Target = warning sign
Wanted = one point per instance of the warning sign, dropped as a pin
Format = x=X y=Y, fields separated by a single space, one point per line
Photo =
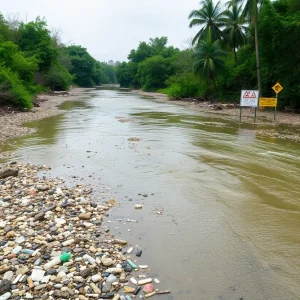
x=277 y=88
x=268 y=102
x=249 y=98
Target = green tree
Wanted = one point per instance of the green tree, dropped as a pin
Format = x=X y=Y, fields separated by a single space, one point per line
x=251 y=11
x=35 y=40
x=210 y=18
x=209 y=59
x=127 y=74
x=83 y=66
x=154 y=71
x=235 y=30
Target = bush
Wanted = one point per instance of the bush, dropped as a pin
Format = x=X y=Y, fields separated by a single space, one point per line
x=12 y=87
x=183 y=86
x=58 y=78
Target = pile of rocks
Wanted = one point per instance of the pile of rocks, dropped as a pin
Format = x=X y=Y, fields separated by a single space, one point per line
x=52 y=245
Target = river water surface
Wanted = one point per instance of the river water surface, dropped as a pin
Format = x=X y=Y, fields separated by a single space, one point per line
x=228 y=225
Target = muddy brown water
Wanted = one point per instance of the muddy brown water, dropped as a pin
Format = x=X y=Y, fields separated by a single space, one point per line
x=229 y=226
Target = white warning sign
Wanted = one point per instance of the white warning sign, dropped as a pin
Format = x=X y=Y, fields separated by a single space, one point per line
x=249 y=98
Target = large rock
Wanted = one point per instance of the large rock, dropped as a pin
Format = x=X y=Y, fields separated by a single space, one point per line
x=4 y=286
x=8 y=173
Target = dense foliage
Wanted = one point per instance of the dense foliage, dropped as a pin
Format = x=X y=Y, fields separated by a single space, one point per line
x=32 y=60
x=226 y=51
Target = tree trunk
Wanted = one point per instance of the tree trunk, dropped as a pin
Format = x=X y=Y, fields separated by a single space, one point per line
x=215 y=84
x=257 y=56
x=235 y=56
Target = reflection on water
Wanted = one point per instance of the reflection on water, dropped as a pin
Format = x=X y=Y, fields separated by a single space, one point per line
x=229 y=219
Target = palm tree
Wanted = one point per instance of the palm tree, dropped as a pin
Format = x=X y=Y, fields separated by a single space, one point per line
x=209 y=59
x=234 y=33
x=210 y=18
x=251 y=8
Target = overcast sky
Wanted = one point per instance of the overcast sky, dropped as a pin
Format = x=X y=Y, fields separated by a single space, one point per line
x=109 y=29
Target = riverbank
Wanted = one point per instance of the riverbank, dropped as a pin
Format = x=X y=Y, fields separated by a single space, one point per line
x=11 y=121
x=54 y=243
x=228 y=111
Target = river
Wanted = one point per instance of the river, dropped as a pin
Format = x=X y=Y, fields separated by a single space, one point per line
x=221 y=219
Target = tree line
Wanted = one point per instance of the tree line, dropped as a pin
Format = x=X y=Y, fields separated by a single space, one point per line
x=241 y=44
x=33 y=60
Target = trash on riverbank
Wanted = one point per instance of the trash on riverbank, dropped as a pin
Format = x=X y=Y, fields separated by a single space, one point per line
x=52 y=245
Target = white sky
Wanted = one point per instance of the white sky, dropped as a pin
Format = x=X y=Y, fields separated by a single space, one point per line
x=109 y=29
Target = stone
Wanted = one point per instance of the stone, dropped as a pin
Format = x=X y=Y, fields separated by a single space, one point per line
x=22 y=271
x=68 y=242
x=8 y=275
x=8 y=173
x=16 y=250
x=5 y=296
x=128 y=289
x=106 y=261
x=90 y=259
x=4 y=286
x=138 y=206
x=133 y=280
x=95 y=288
x=138 y=253
x=107 y=296
x=37 y=275
x=127 y=268
x=118 y=241
x=85 y=273
x=114 y=270
x=42 y=188
x=52 y=263
x=85 y=216
x=96 y=278
x=148 y=288
x=111 y=278
x=10 y=234
x=106 y=287
x=122 y=277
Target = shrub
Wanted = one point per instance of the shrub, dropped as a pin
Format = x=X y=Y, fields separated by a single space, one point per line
x=58 y=78
x=13 y=88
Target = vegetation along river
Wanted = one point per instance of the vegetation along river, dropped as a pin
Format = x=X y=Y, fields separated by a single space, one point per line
x=222 y=215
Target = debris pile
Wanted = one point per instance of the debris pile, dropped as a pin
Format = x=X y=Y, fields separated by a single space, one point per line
x=52 y=245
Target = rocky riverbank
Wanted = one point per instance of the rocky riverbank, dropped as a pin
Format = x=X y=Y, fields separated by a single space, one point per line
x=53 y=244
x=229 y=111
x=11 y=120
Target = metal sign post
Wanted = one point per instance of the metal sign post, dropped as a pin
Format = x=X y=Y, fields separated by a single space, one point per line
x=277 y=89
x=249 y=98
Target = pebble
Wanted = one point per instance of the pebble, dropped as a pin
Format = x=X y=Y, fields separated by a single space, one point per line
x=111 y=278
x=138 y=253
x=106 y=287
x=133 y=280
x=96 y=278
x=37 y=275
x=106 y=261
x=5 y=296
x=144 y=281
x=42 y=220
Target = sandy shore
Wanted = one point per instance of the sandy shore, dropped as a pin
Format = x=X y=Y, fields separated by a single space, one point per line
x=11 y=123
x=228 y=112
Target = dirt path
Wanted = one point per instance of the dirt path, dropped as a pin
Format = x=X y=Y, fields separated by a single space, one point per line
x=11 y=122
